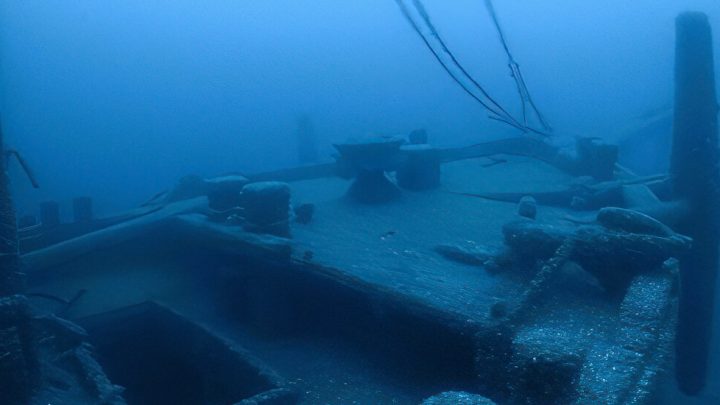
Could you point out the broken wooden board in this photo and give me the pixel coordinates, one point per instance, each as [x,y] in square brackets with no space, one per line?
[106,238]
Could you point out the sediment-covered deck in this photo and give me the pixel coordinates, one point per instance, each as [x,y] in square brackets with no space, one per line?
[371,284]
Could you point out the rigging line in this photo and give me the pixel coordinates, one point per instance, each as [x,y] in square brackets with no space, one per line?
[409,17]
[426,18]
[522,128]
[515,68]
[530,101]
[491,11]
[522,97]
[414,25]
[428,22]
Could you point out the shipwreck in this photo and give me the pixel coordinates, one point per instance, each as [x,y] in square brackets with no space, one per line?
[401,272]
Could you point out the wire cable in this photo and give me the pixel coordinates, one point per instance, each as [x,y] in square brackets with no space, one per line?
[515,72]
[497,113]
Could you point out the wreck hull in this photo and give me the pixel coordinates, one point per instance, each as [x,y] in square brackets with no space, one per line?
[405,318]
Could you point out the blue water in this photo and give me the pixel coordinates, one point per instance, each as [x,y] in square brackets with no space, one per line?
[99,95]
[119,100]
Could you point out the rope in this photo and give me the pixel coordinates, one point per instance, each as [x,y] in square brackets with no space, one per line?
[500,114]
[462,77]
[515,72]
[538,285]
[426,18]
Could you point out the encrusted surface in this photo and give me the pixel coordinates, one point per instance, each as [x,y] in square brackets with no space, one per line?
[387,252]
[457,398]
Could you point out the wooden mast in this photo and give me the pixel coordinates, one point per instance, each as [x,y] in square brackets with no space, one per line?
[695,176]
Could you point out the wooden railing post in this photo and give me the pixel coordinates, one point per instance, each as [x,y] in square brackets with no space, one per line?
[10,275]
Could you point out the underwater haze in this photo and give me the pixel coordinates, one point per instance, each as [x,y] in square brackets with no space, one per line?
[120,100]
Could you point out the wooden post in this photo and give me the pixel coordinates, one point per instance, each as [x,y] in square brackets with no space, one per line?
[266,206]
[306,141]
[694,169]
[10,275]
[420,169]
[17,365]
